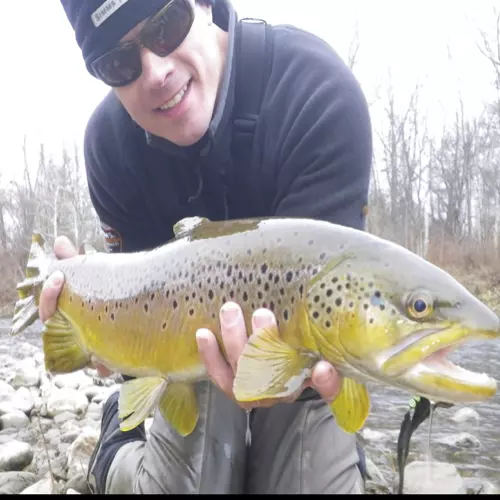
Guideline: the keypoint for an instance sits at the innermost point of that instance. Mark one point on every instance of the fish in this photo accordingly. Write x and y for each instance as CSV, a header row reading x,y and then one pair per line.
x,y
372,308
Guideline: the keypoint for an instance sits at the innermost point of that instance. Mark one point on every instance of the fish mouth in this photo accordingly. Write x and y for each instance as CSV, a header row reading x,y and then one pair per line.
x,y
422,365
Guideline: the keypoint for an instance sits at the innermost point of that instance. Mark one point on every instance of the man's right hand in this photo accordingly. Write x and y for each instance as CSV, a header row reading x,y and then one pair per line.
x,y
63,248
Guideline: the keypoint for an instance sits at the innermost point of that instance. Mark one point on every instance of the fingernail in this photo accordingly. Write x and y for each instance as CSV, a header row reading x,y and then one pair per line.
x,y
230,313
201,338
56,279
324,375
263,318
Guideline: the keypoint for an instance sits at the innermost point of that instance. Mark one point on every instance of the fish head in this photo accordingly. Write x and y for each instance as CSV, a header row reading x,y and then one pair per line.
x,y
394,317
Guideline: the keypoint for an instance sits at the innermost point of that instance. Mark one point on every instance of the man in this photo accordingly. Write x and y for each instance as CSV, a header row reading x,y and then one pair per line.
x,y
169,141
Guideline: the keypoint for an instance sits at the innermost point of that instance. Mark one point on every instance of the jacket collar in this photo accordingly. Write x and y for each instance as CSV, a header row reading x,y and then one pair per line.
x,y
224,16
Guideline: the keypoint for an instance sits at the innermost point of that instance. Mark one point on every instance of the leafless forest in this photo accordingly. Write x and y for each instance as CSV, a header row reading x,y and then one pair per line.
x,y
437,195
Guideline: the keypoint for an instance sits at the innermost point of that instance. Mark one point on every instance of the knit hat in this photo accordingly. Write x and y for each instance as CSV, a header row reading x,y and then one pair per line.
x,y
100,24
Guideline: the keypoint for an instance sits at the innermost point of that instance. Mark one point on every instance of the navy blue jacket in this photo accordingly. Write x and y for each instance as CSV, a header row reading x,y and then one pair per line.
x,y
311,154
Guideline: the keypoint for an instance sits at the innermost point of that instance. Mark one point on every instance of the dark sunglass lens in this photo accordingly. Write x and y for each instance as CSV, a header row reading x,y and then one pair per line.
x,y
119,67
168,31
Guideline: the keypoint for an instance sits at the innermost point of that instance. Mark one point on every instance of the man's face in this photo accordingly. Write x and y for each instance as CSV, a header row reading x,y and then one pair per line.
x,y
175,96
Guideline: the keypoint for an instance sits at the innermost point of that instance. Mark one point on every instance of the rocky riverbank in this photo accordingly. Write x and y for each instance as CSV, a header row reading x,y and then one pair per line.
x,y
49,427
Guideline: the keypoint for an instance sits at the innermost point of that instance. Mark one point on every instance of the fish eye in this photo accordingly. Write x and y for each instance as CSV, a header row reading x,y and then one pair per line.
x,y
420,305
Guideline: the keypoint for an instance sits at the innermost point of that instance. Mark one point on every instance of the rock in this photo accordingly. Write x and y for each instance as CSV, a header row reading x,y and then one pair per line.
x,y
94,411
79,483
433,478
465,415
15,419
75,380
80,451
12,483
371,435
43,487
460,440
15,456
92,391
6,391
62,400
39,359
105,393
6,407
23,399
65,416
481,487
26,374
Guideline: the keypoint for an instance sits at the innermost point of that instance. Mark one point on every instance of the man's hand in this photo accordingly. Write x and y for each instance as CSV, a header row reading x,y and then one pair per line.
x,y
324,378
63,248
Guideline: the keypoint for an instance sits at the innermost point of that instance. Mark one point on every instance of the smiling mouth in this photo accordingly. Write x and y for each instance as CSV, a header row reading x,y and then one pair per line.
x,y
176,99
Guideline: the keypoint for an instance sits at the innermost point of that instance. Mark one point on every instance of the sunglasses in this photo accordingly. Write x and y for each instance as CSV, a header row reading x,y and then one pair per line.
x,y
161,34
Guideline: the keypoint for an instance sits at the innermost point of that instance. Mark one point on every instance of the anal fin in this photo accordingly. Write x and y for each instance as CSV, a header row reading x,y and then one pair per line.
x,y
179,407
352,406
270,368
61,345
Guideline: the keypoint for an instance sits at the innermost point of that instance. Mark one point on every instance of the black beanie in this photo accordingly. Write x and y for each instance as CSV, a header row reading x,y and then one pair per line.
x,y
100,24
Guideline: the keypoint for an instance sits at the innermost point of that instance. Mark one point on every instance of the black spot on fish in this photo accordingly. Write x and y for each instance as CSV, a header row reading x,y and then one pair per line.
x,y
112,316
301,290
329,292
370,285
164,326
259,281
105,309
266,287
175,304
276,279
377,293
328,324
348,286
334,279
339,287
210,294
193,295
282,291
146,307
366,306
191,312
338,301
99,318
315,314
250,277
382,307
316,299
351,304
289,276
263,268
285,314
152,297
259,295
370,320
231,294
271,305
328,310
245,296
167,293
186,298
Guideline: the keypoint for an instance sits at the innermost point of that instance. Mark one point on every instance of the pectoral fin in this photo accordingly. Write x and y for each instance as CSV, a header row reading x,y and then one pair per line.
x,y
352,406
137,399
180,407
270,368
61,346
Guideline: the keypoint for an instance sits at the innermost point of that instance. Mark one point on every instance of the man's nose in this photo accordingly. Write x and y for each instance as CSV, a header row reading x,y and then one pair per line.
x,y
155,69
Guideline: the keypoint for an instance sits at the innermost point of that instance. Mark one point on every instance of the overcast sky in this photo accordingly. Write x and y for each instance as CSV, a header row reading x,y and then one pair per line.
x,y
48,95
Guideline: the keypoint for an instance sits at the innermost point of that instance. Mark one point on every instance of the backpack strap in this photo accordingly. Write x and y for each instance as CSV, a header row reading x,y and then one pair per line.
x,y
253,65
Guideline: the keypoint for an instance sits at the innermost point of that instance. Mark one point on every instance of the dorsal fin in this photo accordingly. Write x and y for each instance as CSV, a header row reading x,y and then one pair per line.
x,y
187,224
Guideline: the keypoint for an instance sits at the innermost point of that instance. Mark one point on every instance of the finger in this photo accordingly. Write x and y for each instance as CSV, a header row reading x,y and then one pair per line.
x,y
217,367
49,294
63,248
233,332
326,380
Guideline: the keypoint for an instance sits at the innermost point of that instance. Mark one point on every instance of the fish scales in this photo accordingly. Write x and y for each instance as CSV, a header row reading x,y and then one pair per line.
x,y
373,309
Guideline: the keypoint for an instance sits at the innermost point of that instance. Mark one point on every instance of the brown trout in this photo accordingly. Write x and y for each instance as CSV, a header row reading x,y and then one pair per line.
x,y
373,309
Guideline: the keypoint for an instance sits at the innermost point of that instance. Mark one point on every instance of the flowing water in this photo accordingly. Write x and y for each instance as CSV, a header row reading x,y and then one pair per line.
x,y
389,407
482,462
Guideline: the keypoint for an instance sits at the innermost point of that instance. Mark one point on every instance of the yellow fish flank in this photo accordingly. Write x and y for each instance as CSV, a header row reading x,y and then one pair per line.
x,y
375,310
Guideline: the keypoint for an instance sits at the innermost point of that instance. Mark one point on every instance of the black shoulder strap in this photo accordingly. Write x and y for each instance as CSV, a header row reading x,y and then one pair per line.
x,y
253,64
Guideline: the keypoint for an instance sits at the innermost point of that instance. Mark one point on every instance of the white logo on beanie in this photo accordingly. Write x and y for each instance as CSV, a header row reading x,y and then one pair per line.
x,y
106,10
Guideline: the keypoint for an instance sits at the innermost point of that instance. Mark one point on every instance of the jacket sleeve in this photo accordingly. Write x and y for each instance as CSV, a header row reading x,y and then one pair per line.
x,y
325,144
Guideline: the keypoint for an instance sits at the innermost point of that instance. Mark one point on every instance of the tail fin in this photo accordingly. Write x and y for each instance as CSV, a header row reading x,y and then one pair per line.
x,y
26,308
